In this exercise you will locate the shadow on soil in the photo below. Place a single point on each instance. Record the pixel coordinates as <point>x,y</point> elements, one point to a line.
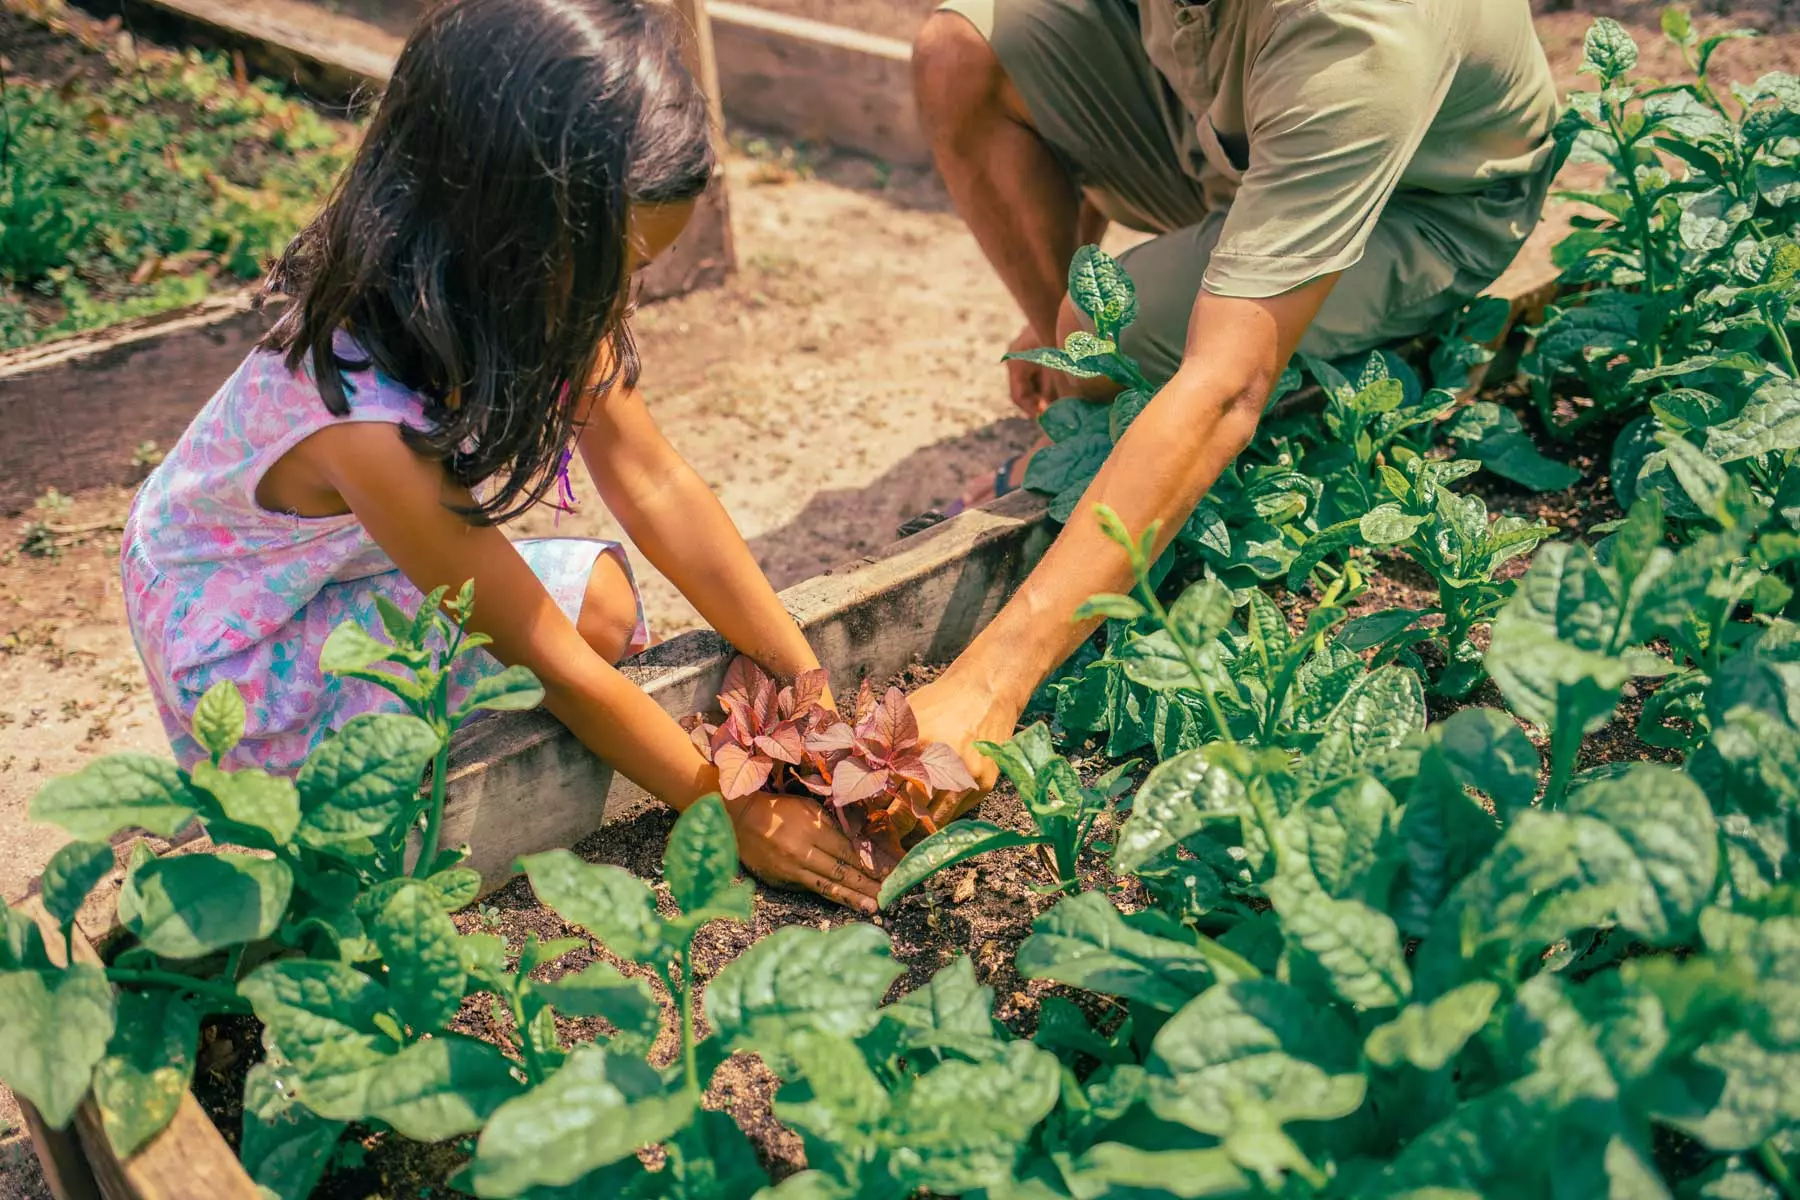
<point>867,517</point>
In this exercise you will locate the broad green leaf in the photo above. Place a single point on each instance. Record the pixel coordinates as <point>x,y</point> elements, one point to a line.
<point>1375,628</point>
<point>1201,613</point>
<point>71,874</point>
<point>1428,1036</point>
<point>365,778</point>
<point>1100,288</point>
<point>190,905</point>
<point>1342,831</point>
<point>799,978</point>
<point>1552,647</point>
<point>1071,417</point>
<point>1068,464</point>
<point>609,902</point>
<point>326,1020</point>
<point>1516,457</point>
<point>54,1027</point>
<point>1185,1174</point>
<point>219,719</point>
<point>423,955</point>
<point>148,1064</point>
<point>350,647</point>
<point>1175,801</point>
<point>1254,1046</point>
<point>834,1102</point>
<point>285,1147</point>
<point>441,1087</point>
<point>1769,424</point>
<point>1609,51</point>
<point>961,1126</point>
<point>1380,710</point>
<point>598,1109</point>
<point>1085,943</point>
<point>948,846</point>
<point>952,1010</point>
<point>1666,822</point>
<point>120,791</point>
<point>601,990</point>
<point>512,690</point>
<point>1126,409</point>
<point>1388,525</point>
<point>253,798</point>
<point>1486,750</point>
<point>701,862</point>
<point>1356,948</point>
<point>22,944</point>
<point>454,887</point>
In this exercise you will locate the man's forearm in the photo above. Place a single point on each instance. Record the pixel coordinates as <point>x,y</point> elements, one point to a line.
<point>1166,462</point>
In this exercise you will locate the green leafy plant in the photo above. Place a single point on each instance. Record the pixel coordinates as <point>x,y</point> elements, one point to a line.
<point>324,875</point>
<point>1451,537</point>
<point>1685,324</point>
<point>1060,805</point>
<point>1411,975</point>
<point>145,190</point>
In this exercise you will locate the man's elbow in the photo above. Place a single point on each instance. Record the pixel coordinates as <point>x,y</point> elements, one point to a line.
<point>1238,398</point>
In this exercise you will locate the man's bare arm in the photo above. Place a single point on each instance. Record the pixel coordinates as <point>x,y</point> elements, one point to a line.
<point>1159,471</point>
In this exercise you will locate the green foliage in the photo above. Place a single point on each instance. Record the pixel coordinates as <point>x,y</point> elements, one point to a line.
<point>1690,268</point>
<point>141,193</point>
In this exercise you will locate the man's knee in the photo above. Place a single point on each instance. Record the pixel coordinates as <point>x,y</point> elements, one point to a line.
<point>957,77</point>
<point>609,610</point>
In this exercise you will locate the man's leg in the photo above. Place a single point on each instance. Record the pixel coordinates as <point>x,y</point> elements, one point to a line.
<point>1006,182</point>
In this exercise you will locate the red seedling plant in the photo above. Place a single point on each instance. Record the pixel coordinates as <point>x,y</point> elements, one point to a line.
<point>873,772</point>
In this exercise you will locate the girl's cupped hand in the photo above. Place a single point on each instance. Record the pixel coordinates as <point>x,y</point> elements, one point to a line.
<point>791,841</point>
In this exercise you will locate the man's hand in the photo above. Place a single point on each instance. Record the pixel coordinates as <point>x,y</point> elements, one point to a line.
<point>790,841</point>
<point>959,715</point>
<point>1033,388</point>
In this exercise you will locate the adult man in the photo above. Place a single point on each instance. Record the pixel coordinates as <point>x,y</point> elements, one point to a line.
<point>1320,174</point>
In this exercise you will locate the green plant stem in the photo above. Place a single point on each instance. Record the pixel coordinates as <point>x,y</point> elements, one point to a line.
<point>1564,749</point>
<point>1777,1169</point>
<point>1629,174</point>
<point>234,961</point>
<point>1784,346</point>
<point>690,1045</point>
<point>534,1068</point>
<point>223,993</point>
<point>434,814</point>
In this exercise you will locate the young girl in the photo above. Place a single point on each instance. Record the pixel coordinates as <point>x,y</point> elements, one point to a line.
<point>456,331</point>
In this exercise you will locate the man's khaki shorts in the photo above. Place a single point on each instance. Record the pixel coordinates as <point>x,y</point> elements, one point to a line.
<point>1114,122</point>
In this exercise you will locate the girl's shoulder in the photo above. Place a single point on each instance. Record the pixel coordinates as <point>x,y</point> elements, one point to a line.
<point>266,380</point>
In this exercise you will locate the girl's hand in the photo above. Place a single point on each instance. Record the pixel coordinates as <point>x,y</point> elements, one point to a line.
<point>950,711</point>
<point>790,841</point>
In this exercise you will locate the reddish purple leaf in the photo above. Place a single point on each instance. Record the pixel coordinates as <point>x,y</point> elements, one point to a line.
<point>740,683</point>
<point>783,743</point>
<point>853,783</point>
<point>740,771</point>
<point>944,769</point>
<point>830,737</point>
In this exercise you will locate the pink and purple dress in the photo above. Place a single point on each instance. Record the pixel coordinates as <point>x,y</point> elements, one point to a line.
<point>218,587</point>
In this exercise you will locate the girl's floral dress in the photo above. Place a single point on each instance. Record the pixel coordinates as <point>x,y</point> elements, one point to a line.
<point>217,587</point>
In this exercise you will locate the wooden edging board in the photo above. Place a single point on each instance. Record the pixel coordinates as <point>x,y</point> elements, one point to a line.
<point>188,1160</point>
<point>521,783</point>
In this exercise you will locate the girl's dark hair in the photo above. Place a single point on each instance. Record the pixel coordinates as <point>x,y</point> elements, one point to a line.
<point>476,246</point>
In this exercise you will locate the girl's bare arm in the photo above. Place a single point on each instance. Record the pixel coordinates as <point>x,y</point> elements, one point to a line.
<point>400,498</point>
<point>681,527</point>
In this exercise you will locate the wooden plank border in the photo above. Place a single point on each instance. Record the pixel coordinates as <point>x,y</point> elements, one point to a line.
<point>818,82</point>
<point>187,1160</point>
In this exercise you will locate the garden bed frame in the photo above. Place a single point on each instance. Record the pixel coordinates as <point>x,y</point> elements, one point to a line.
<point>520,783</point>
